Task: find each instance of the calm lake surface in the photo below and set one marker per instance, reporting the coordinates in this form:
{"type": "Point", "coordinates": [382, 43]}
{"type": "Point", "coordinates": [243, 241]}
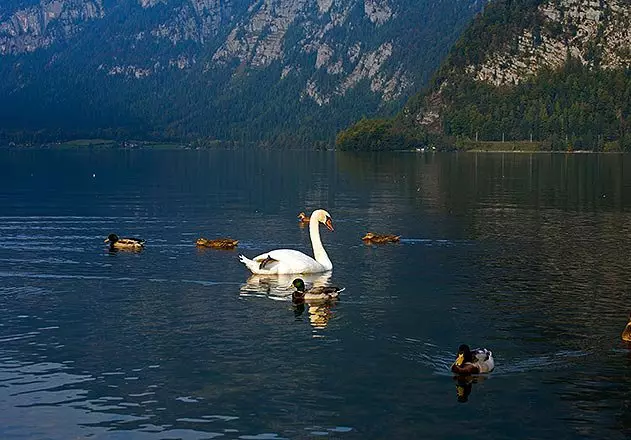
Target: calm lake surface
{"type": "Point", "coordinates": [527, 255]}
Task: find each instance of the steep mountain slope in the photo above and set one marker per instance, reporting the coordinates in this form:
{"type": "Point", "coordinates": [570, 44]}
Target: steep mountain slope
{"type": "Point", "coordinates": [243, 70]}
{"type": "Point", "coordinates": [548, 70]}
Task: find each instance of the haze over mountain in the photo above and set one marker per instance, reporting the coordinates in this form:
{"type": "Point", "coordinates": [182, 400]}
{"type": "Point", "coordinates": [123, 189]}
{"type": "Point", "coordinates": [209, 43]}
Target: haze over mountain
{"type": "Point", "coordinates": [284, 71]}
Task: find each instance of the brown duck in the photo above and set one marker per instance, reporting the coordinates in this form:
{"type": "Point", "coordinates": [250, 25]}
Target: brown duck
{"type": "Point", "coordinates": [380, 238]}
{"type": "Point", "coordinates": [217, 243]}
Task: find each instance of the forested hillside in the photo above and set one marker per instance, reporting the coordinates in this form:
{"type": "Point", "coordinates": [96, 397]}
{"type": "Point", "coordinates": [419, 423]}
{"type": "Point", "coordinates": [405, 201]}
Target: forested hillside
{"type": "Point", "coordinates": [277, 72]}
{"type": "Point", "coordinates": [554, 72]}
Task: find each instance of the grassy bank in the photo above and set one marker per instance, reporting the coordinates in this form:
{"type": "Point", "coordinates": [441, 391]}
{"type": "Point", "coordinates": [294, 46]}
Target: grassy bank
{"type": "Point", "coordinates": [498, 146]}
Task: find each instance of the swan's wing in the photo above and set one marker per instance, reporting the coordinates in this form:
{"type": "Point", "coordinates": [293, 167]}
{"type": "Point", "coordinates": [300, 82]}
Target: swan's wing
{"type": "Point", "coordinates": [287, 261]}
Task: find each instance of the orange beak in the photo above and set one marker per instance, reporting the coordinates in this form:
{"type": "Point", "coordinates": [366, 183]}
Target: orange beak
{"type": "Point", "coordinates": [329, 224]}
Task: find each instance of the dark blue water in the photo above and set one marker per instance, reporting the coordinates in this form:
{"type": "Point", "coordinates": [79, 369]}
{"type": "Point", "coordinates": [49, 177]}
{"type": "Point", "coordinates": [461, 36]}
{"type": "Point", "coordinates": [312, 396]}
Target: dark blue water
{"type": "Point", "coordinates": [527, 255]}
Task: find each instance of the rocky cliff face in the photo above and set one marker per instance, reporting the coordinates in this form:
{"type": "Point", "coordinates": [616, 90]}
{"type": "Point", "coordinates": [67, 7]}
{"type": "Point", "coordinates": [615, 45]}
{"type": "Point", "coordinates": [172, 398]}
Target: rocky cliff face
{"type": "Point", "coordinates": [321, 50]}
{"type": "Point", "coordinates": [593, 31]}
{"type": "Point", "coordinates": [39, 26]}
{"type": "Point", "coordinates": [597, 33]}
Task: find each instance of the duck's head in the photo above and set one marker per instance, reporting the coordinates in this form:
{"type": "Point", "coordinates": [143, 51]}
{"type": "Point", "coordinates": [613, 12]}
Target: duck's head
{"type": "Point", "coordinates": [299, 285]}
{"type": "Point", "coordinates": [464, 355]}
{"type": "Point", "coordinates": [368, 236]}
{"type": "Point", "coordinates": [323, 217]}
{"type": "Point", "coordinates": [302, 216]}
{"type": "Point", "coordinates": [112, 238]}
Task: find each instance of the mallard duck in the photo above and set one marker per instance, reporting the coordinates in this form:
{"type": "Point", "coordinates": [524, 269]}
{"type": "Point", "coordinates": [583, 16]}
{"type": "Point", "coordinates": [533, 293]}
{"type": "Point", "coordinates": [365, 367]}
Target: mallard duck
{"type": "Point", "coordinates": [380, 238]}
{"type": "Point", "coordinates": [626, 333]}
{"type": "Point", "coordinates": [116, 242]}
{"type": "Point", "coordinates": [316, 293]}
{"type": "Point", "coordinates": [469, 362]}
{"type": "Point", "coordinates": [303, 218]}
{"type": "Point", "coordinates": [217, 243]}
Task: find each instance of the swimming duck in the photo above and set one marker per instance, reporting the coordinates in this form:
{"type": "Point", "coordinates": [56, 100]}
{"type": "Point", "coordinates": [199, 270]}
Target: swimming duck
{"type": "Point", "coordinates": [303, 218]}
{"type": "Point", "coordinates": [116, 242]}
{"type": "Point", "coordinates": [217, 243]}
{"type": "Point", "coordinates": [380, 238]}
{"type": "Point", "coordinates": [469, 362]}
{"type": "Point", "coordinates": [626, 333]}
{"type": "Point", "coordinates": [316, 293]}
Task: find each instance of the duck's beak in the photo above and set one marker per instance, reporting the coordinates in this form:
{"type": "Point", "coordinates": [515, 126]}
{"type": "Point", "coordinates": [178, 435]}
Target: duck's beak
{"type": "Point", "coordinates": [459, 359]}
{"type": "Point", "coordinates": [329, 224]}
{"type": "Point", "coordinates": [106, 240]}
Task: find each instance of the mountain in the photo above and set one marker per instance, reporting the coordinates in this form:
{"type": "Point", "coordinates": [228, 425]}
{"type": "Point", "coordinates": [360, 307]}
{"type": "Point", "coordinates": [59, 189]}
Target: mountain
{"type": "Point", "coordinates": [552, 71]}
{"type": "Point", "coordinates": [262, 71]}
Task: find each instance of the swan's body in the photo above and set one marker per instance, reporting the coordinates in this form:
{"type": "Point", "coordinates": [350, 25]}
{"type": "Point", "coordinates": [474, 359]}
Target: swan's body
{"type": "Point", "coordinates": [315, 293]}
{"type": "Point", "coordinates": [134, 244]}
{"type": "Point", "coordinates": [289, 261]}
{"type": "Point", "coordinates": [380, 238]}
{"type": "Point", "coordinates": [217, 243]}
{"type": "Point", "coordinates": [477, 361]}
{"type": "Point", "coordinates": [626, 333]}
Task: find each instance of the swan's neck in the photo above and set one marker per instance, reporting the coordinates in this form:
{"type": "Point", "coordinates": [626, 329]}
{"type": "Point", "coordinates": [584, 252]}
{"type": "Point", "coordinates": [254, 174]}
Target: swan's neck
{"type": "Point", "coordinates": [319, 253]}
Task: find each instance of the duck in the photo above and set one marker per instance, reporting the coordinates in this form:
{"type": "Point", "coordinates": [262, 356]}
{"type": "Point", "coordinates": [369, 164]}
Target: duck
{"type": "Point", "coordinates": [316, 293]}
{"type": "Point", "coordinates": [124, 243]}
{"type": "Point", "coordinates": [371, 237]}
{"type": "Point", "coordinates": [303, 218]}
{"type": "Point", "coordinates": [217, 243]}
{"type": "Point", "coordinates": [477, 361]}
{"type": "Point", "coordinates": [626, 333]}
{"type": "Point", "coordinates": [290, 261]}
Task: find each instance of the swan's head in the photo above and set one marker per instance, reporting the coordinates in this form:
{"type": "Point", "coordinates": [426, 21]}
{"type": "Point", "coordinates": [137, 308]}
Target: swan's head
{"type": "Point", "coordinates": [323, 217]}
{"type": "Point", "coordinates": [112, 238]}
{"type": "Point", "coordinates": [299, 285]}
{"type": "Point", "coordinates": [464, 355]}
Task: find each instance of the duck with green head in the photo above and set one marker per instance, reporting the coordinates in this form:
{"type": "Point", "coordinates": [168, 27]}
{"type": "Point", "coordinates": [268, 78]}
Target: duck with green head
{"type": "Point", "coordinates": [475, 361]}
{"type": "Point", "coordinates": [130, 244]}
{"type": "Point", "coordinates": [316, 293]}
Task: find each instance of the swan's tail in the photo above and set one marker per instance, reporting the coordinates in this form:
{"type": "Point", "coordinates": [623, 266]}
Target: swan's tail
{"type": "Point", "coordinates": [250, 264]}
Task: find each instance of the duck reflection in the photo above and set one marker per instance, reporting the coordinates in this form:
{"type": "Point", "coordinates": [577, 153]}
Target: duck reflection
{"type": "Point", "coordinates": [464, 386]}
{"type": "Point", "coordinates": [280, 286]}
{"type": "Point", "coordinates": [319, 314]}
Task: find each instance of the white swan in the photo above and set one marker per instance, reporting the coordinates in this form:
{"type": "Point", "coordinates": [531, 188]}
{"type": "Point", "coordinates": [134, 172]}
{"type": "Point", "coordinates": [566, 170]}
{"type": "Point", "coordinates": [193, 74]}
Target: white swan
{"type": "Point", "coordinates": [289, 261]}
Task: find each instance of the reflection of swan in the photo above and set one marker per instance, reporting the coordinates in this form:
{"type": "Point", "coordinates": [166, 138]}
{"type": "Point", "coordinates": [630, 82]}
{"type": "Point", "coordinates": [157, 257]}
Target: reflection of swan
{"type": "Point", "coordinates": [280, 285]}
{"type": "Point", "coordinates": [289, 261]}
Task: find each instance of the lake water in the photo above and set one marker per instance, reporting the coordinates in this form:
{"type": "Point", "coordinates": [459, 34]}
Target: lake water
{"type": "Point", "coordinates": [526, 255]}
